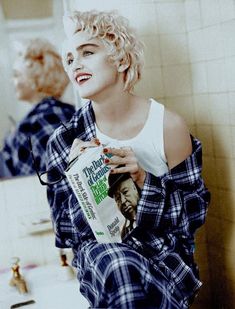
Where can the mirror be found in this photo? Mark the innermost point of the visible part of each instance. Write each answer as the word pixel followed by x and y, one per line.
pixel 19 21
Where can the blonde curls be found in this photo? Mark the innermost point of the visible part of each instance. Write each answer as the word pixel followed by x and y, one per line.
pixel 120 39
pixel 44 66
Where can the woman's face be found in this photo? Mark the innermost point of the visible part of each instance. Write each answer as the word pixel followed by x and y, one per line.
pixel 89 68
pixel 23 86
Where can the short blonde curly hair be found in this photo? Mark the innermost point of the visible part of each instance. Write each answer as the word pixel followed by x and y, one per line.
pixel 119 38
pixel 44 66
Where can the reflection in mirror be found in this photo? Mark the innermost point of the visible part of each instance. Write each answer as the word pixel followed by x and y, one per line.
pixel 36 93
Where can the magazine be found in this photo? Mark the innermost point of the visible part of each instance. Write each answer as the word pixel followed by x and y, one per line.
pixel 89 178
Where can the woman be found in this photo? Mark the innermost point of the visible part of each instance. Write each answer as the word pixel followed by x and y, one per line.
pixel 153 267
pixel 39 79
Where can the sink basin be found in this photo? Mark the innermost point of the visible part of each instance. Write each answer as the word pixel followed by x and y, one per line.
pixel 51 287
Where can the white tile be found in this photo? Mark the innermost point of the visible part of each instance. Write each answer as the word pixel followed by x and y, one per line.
pixel 6 253
pixel 151 84
pixel 142 16
pixel 168 1
pixel 103 4
pixel 174 49
pixel 204 132
pixel 2 199
pixel 28 249
pixel 171 17
pixel 227 10
pixel 193 14
pixel 22 197
pixel 209 171
pixel 183 106
pixel 202 109
pixel 177 80
pixel 199 77
pixel 214 45
pixel 225 171
pixel 233 144
pixel 228 35
pixel 197 50
pixel 95 5
pixel 13 189
pixel 216 76
pixel 230 73
pixel 232 108
pixel 50 252
pixel 219 108
pixel 210 12
pixel 222 145
pixel 152 51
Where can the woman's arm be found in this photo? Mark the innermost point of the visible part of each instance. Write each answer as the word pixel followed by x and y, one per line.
pixel 177 141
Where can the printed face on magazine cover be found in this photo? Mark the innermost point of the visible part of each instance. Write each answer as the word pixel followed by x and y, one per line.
pixel 88 66
pixel 126 197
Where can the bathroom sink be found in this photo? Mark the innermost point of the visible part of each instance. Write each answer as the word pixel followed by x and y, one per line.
pixel 51 287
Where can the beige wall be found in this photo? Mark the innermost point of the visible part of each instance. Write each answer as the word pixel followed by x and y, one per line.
pixel 27 9
pixel 210 29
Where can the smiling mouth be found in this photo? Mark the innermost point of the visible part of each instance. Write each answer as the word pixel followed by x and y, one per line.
pixel 82 79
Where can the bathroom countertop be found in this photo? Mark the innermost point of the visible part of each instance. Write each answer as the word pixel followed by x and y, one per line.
pixel 51 287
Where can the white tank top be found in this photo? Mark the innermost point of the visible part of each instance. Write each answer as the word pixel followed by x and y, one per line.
pixel 148 144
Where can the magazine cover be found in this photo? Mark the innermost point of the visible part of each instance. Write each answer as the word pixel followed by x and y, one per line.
pixel 108 200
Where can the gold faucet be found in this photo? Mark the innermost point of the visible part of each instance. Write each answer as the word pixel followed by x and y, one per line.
pixel 17 279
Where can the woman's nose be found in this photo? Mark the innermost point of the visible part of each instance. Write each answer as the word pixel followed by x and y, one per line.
pixel 77 65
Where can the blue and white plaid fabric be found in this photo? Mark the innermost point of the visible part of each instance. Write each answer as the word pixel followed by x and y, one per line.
pixel 40 123
pixel 154 266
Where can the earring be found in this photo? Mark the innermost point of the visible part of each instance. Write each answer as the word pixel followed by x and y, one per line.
pixel 122 67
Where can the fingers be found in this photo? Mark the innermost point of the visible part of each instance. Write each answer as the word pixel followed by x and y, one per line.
pixel 119 161
pixel 129 164
pixel 121 156
pixel 121 152
pixel 132 169
pixel 79 146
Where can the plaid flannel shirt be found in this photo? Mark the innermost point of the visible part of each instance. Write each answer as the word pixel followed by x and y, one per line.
pixel 171 208
pixel 39 123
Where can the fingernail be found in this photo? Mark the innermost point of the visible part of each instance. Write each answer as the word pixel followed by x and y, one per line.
pixel 106 160
pixel 105 150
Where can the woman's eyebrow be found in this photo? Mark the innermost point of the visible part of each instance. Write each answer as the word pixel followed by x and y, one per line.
pixel 86 45
pixel 69 54
pixel 80 47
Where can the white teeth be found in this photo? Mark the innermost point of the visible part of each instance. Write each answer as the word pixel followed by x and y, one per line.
pixel 83 77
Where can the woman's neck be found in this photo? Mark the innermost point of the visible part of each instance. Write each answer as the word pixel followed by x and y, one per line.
pixel 121 117
pixel 113 108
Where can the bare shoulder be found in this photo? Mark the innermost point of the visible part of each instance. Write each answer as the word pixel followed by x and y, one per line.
pixel 177 141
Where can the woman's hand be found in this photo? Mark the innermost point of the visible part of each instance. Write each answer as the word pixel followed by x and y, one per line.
pixel 125 156
pixel 79 146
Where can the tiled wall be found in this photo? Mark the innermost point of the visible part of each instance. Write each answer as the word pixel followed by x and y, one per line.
pixel 211 41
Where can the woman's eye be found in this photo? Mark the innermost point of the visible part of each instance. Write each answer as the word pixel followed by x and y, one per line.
pixel 87 53
pixel 69 61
